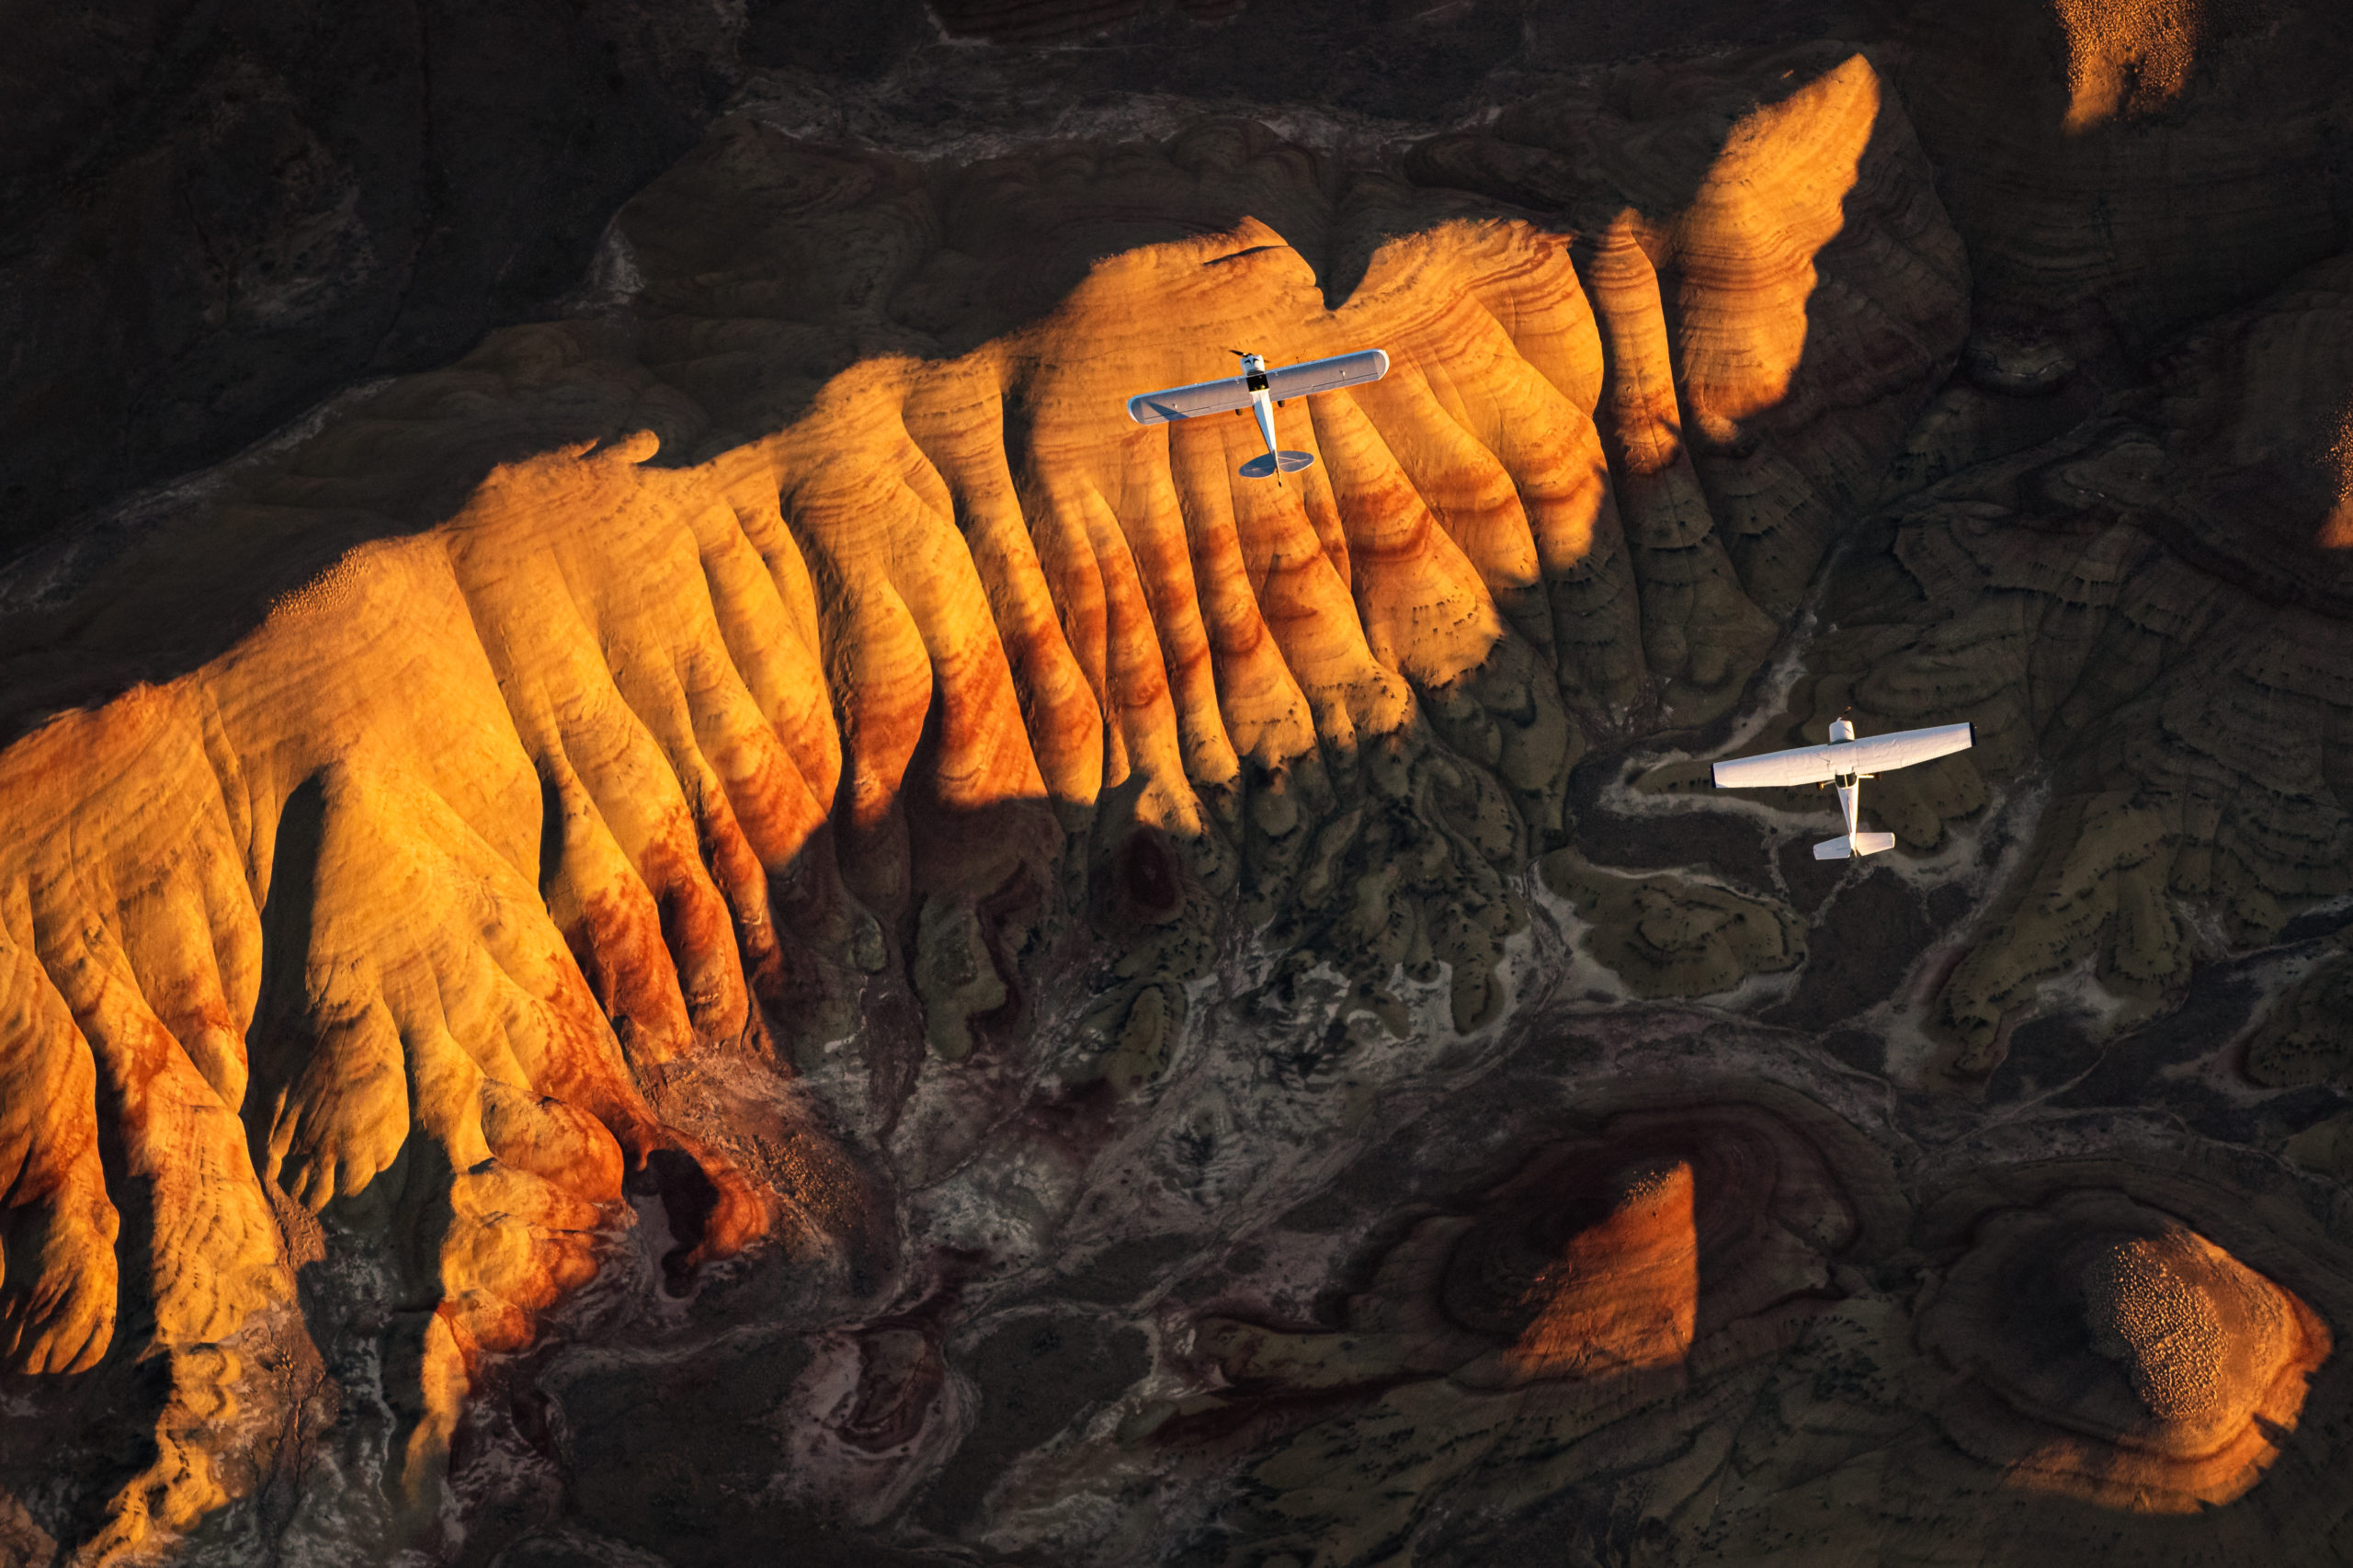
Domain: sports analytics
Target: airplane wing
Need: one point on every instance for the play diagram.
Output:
(1189, 403)
(1815, 765)
(1879, 754)
(1806, 765)
(1328, 375)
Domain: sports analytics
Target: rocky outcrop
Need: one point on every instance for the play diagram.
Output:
(458, 874)
(2147, 612)
(746, 916)
(1756, 375)
(2168, 1385)
(2100, 1351)
(2123, 169)
(1605, 1276)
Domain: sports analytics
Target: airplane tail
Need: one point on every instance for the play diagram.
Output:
(1262, 466)
(1842, 845)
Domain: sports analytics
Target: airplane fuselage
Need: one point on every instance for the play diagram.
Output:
(1849, 783)
(1262, 400)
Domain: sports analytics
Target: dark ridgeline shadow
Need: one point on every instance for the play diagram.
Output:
(277, 1042)
(279, 1045)
(928, 261)
(169, 600)
(70, 1443)
(108, 1412)
(688, 1196)
(933, 269)
(217, 216)
(1389, 58)
(218, 219)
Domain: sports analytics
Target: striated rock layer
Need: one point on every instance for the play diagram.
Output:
(451, 876)
(2149, 610)
(748, 917)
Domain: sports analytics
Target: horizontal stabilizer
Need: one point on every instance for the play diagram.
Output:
(1839, 848)
(1264, 464)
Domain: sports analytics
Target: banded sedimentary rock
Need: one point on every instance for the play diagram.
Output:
(1623, 1267)
(2095, 1351)
(2109, 166)
(463, 823)
(1756, 376)
(2149, 610)
(2168, 1385)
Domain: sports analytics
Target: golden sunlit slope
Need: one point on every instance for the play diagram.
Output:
(450, 822)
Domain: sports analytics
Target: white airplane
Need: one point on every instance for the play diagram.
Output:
(1846, 761)
(1260, 390)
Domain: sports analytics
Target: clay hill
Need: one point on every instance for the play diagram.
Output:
(739, 924)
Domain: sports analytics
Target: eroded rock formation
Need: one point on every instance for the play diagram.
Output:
(747, 916)
(2167, 1382)
(2148, 607)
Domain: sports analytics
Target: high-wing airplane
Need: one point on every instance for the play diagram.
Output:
(1846, 761)
(1259, 390)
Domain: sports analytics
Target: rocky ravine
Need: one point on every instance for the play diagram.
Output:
(746, 923)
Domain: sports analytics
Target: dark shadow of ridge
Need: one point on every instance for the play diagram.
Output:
(770, 266)
(173, 599)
